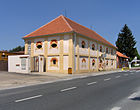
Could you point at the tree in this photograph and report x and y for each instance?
(17, 49)
(137, 54)
(126, 42)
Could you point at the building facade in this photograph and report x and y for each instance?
(4, 59)
(122, 60)
(63, 45)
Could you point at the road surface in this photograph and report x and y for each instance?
(86, 93)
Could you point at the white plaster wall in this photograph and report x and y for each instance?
(54, 50)
(93, 52)
(53, 67)
(66, 43)
(83, 66)
(65, 62)
(91, 66)
(83, 51)
(100, 53)
(38, 51)
(15, 60)
(108, 55)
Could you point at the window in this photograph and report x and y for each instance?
(29, 47)
(106, 50)
(101, 61)
(107, 62)
(23, 63)
(100, 48)
(39, 44)
(93, 47)
(83, 44)
(3, 56)
(53, 43)
(54, 62)
(111, 51)
(93, 62)
(111, 62)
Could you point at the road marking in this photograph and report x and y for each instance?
(131, 73)
(67, 89)
(116, 108)
(84, 76)
(107, 79)
(125, 74)
(118, 76)
(33, 97)
(91, 83)
(133, 95)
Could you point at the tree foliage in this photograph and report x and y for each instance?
(17, 49)
(126, 42)
(137, 54)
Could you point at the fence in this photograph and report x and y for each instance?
(3, 65)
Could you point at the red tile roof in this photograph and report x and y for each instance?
(121, 55)
(63, 24)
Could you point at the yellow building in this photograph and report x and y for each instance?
(63, 45)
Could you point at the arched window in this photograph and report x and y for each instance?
(93, 62)
(54, 62)
(83, 44)
(93, 46)
(39, 44)
(111, 62)
(83, 63)
(53, 43)
(107, 62)
(101, 49)
(106, 50)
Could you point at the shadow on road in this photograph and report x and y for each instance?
(136, 99)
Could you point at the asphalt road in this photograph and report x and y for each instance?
(89, 93)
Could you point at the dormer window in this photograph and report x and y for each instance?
(83, 44)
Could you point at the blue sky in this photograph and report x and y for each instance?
(107, 17)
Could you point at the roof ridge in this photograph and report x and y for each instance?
(67, 23)
(89, 29)
(43, 26)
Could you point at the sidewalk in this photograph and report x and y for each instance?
(14, 80)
